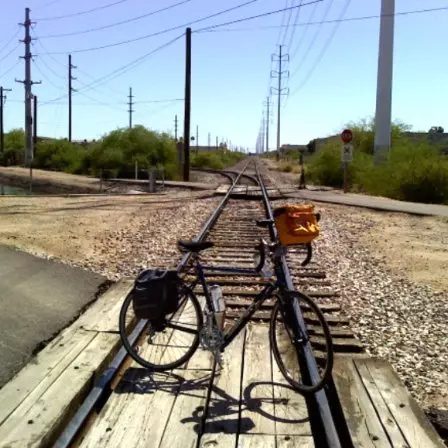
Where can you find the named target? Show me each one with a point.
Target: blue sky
(230, 66)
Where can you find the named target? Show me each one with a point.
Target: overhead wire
(39, 69)
(288, 22)
(158, 33)
(9, 41)
(313, 39)
(258, 16)
(323, 50)
(49, 68)
(294, 28)
(10, 69)
(326, 22)
(102, 103)
(10, 52)
(80, 13)
(111, 25)
(302, 38)
(123, 69)
(279, 38)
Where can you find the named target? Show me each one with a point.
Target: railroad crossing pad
(35, 404)
(247, 402)
(378, 408)
(253, 192)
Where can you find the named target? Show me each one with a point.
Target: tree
(436, 130)
(311, 146)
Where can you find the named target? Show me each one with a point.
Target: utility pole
(2, 104)
(187, 105)
(279, 58)
(197, 139)
(35, 121)
(217, 146)
(209, 141)
(70, 90)
(29, 153)
(130, 104)
(175, 127)
(268, 119)
(383, 112)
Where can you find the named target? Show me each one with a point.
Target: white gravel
(397, 320)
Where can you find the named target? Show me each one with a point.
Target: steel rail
(318, 402)
(102, 386)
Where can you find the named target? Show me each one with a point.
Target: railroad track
(232, 228)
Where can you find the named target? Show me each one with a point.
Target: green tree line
(114, 155)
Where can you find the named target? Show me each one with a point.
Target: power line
(10, 52)
(51, 70)
(245, 19)
(9, 41)
(158, 33)
(313, 40)
(172, 100)
(324, 49)
(294, 28)
(99, 102)
(288, 23)
(98, 8)
(279, 40)
(10, 69)
(299, 43)
(111, 25)
(123, 69)
(326, 22)
(45, 76)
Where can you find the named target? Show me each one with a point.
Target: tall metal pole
(70, 91)
(267, 126)
(279, 101)
(281, 58)
(130, 104)
(383, 113)
(28, 94)
(187, 105)
(69, 97)
(217, 146)
(175, 127)
(35, 121)
(2, 131)
(209, 141)
(197, 139)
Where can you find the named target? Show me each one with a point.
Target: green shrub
(207, 160)
(414, 171)
(59, 155)
(285, 167)
(216, 160)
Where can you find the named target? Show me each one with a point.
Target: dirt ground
(414, 247)
(80, 230)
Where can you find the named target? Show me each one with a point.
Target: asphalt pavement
(38, 298)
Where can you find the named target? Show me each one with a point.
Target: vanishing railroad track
(233, 230)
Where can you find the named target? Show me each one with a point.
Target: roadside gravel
(398, 320)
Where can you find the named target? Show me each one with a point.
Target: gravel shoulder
(112, 236)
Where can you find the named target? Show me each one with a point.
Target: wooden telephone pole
(187, 111)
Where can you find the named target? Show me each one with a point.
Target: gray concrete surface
(38, 298)
(372, 202)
